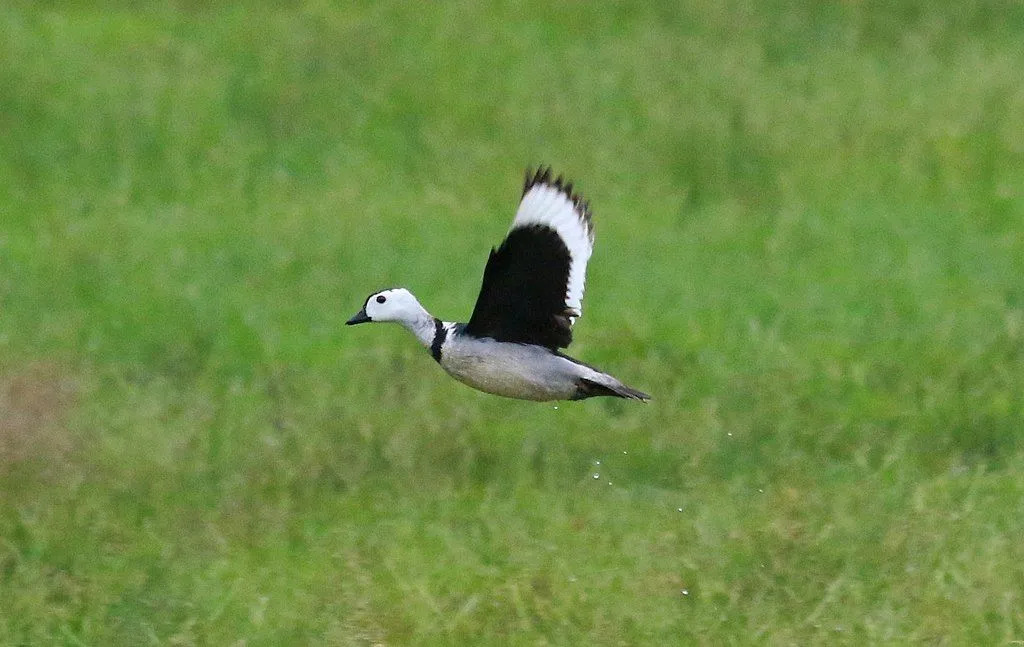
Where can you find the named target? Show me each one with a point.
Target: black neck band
(439, 336)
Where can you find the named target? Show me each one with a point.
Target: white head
(396, 304)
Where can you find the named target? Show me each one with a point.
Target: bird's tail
(589, 388)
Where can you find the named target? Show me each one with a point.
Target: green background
(810, 250)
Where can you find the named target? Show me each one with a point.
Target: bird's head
(395, 304)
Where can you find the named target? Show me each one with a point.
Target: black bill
(360, 317)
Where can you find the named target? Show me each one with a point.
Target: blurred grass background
(810, 251)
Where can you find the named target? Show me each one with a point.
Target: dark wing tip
(543, 175)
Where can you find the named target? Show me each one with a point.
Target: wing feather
(532, 289)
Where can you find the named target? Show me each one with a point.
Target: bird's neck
(423, 326)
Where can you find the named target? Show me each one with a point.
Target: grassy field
(810, 250)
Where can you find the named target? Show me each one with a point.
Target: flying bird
(531, 296)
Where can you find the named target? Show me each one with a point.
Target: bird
(531, 296)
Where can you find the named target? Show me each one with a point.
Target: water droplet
(596, 476)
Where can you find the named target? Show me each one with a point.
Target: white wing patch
(547, 202)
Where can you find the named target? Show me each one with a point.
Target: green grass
(810, 251)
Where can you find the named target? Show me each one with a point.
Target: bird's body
(530, 298)
(524, 371)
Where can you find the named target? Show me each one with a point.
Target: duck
(529, 300)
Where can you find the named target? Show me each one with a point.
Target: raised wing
(532, 290)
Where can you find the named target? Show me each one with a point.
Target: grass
(809, 252)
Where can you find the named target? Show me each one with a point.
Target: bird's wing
(532, 290)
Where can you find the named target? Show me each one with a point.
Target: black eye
(381, 298)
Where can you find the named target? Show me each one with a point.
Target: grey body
(521, 371)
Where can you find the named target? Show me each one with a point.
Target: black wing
(522, 298)
(533, 283)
